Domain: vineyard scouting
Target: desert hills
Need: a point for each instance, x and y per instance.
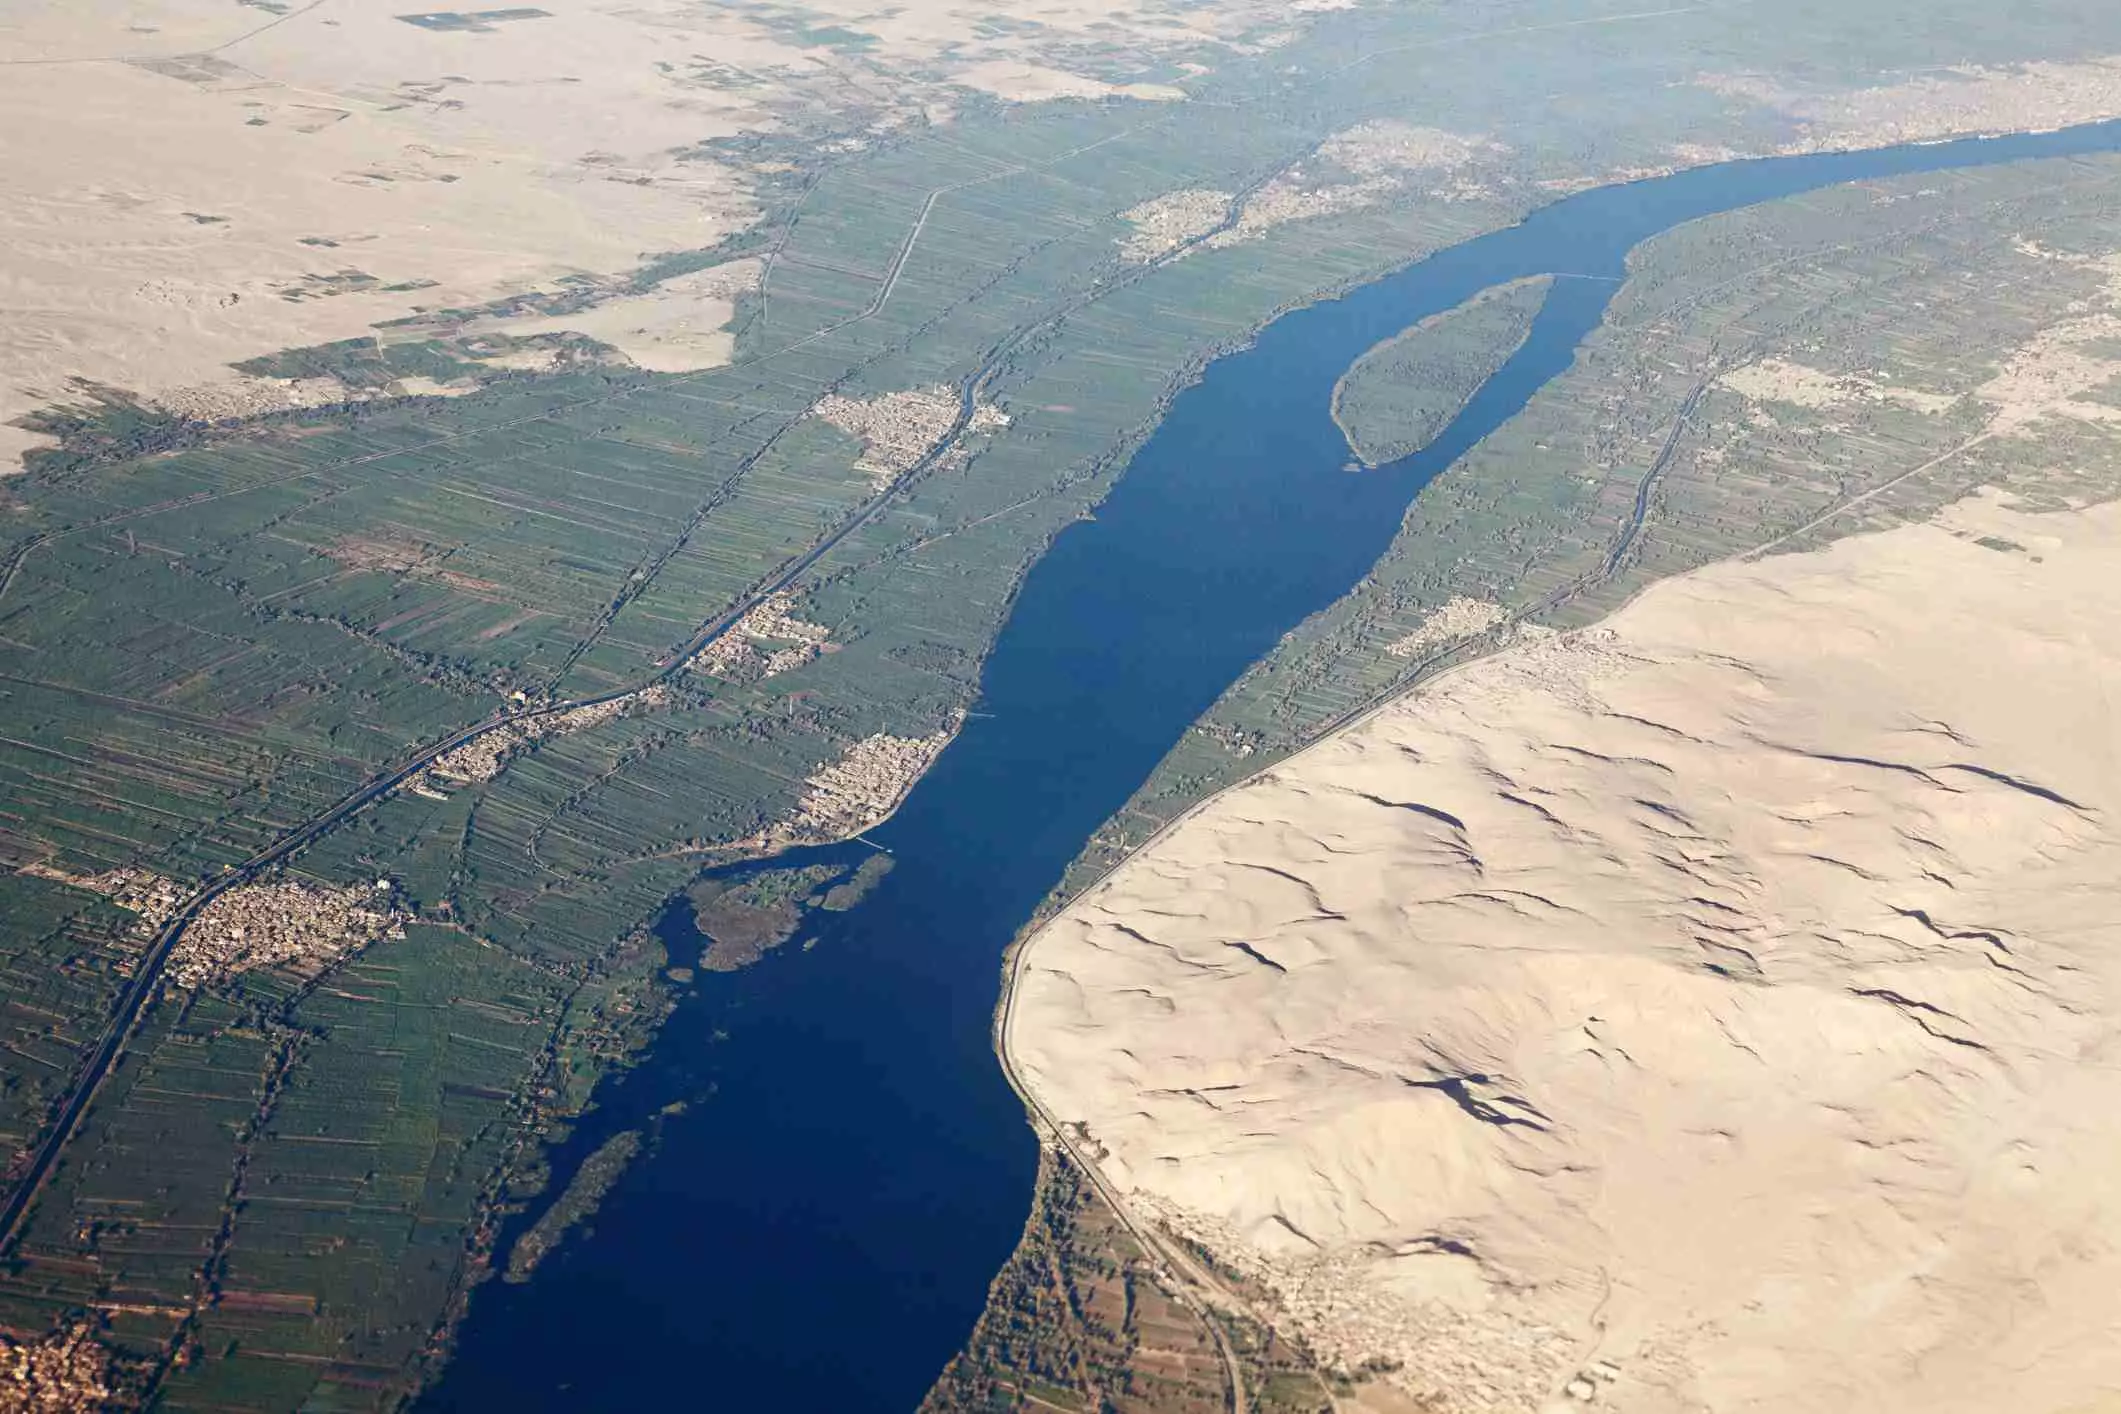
(1713, 1010)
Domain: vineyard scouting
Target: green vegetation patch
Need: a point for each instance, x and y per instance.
(745, 914)
(1081, 1318)
(212, 635)
(584, 1192)
(1664, 447)
(1393, 400)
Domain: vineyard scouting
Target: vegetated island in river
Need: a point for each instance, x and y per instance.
(1393, 400)
(746, 912)
(583, 1193)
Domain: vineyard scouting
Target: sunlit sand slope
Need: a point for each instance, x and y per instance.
(1713, 1010)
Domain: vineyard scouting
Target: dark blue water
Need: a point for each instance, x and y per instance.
(819, 1234)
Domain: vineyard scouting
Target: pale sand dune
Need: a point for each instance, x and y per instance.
(1778, 380)
(679, 326)
(1728, 993)
(1034, 83)
(18, 442)
(176, 214)
(207, 181)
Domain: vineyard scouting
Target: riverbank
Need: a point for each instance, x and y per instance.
(1455, 1124)
(1920, 479)
(858, 1151)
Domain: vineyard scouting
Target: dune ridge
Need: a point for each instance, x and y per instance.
(1712, 1010)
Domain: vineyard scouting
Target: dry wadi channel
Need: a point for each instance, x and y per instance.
(1713, 1009)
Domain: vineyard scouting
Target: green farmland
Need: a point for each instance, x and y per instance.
(1398, 396)
(241, 653)
(1667, 407)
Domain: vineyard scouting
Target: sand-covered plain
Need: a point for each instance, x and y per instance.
(679, 325)
(192, 183)
(212, 182)
(1718, 1009)
(200, 182)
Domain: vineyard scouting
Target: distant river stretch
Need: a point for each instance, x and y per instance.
(819, 1234)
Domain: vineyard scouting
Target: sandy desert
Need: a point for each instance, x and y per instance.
(1713, 1009)
(214, 181)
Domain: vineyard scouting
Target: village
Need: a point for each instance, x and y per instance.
(898, 429)
(483, 757)
(740, 654)
(859, 790)
(154, 898)
(284, 923)
(67, 1372)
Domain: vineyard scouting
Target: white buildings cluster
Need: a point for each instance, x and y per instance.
(860, 789)
(153, 897)
(483, 757)
(898, 429)
(67, 1372)
(264, 925)
(766, 640)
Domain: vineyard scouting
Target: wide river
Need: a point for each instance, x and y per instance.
(817, 1231)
